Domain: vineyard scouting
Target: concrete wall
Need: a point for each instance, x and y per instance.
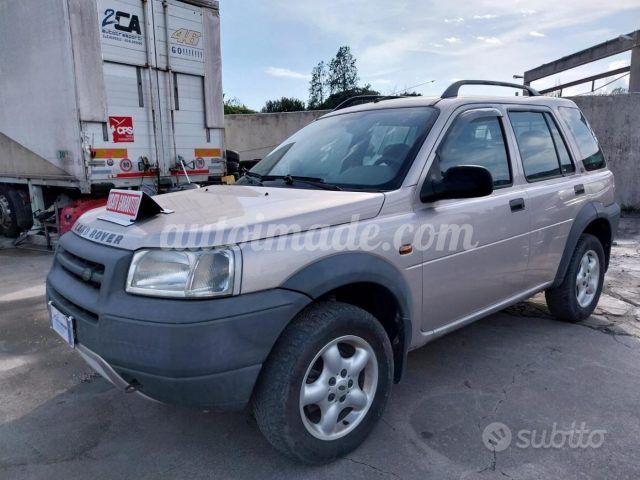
(255, 135)
(616, 121)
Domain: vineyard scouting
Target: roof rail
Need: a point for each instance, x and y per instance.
(360, 99)
(452, 90)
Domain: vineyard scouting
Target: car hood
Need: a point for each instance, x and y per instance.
(231, 214)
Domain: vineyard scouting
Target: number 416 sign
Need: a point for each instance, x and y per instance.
(187, 37)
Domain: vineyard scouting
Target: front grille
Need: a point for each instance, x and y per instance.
(81, 278)
(89, 272)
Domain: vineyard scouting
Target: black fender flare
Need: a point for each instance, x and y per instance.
(329, 273)
(589, 212)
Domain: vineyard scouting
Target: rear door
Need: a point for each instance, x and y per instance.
(556, 191)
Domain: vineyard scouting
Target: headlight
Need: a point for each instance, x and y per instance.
(171, 273)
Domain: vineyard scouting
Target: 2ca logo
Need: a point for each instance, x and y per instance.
(122, 21)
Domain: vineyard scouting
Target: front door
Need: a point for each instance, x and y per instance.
(479, 247)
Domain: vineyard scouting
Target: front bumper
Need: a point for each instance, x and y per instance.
(202, 353)
(99, 365)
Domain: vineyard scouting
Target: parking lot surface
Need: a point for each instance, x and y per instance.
(541, 381)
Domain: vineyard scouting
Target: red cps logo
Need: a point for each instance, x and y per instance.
(124, 130)
(121, 129)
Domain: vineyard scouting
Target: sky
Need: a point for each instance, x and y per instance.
(269, 47)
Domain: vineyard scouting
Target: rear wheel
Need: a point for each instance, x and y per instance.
(325, 384)
(577, 296)
(8, 214)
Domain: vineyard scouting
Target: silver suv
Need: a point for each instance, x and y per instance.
(369, 233)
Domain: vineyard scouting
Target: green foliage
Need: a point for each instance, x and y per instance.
(602, 92)
(283, 105)
(337, 98)
(318, 86)
(234, 106)
(340, 80)
(343, 72)
(619, 91)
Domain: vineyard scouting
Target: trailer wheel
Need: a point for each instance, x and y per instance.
(233, 168)
(8, 214)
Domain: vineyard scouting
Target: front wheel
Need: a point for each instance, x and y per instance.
(325, 384)
(577, 296)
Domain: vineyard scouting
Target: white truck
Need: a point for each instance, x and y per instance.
(97, 94)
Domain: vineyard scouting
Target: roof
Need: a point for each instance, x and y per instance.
(452, 103)
(451, 100)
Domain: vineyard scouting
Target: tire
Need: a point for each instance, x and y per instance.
(8, 214)
(233, 168)
(233, 156)
(586, 267)
(296, 362)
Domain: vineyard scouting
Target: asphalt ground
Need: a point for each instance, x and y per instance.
(543, 381)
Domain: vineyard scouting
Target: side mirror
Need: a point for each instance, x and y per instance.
(465, 181)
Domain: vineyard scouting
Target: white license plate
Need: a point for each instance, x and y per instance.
(62, 324)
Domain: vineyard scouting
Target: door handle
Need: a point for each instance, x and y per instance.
(516, 204)
(579, 189)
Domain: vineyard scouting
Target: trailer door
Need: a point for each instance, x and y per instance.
(189, 133)
(127, 149)
(181, 36)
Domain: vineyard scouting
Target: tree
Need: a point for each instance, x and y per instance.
(234, 106)
(283, 105)
(343, 72)
(337, 98)
(619, 91)
(318, 86)
(407, 93)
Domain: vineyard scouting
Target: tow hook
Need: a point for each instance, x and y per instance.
(133, 386)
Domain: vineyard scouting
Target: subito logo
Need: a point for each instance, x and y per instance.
(121, 129)
(496, 437)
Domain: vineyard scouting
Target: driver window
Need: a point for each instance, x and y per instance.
(476, 141)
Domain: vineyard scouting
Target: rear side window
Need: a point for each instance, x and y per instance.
(590, 152)
(476, 141)
(540, 153)
(561, 147)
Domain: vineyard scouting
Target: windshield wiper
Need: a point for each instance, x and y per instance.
(253, 177)
(292, 179)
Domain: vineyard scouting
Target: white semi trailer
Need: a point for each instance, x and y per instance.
(96, 94)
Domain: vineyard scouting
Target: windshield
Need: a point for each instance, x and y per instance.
(367, 150)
